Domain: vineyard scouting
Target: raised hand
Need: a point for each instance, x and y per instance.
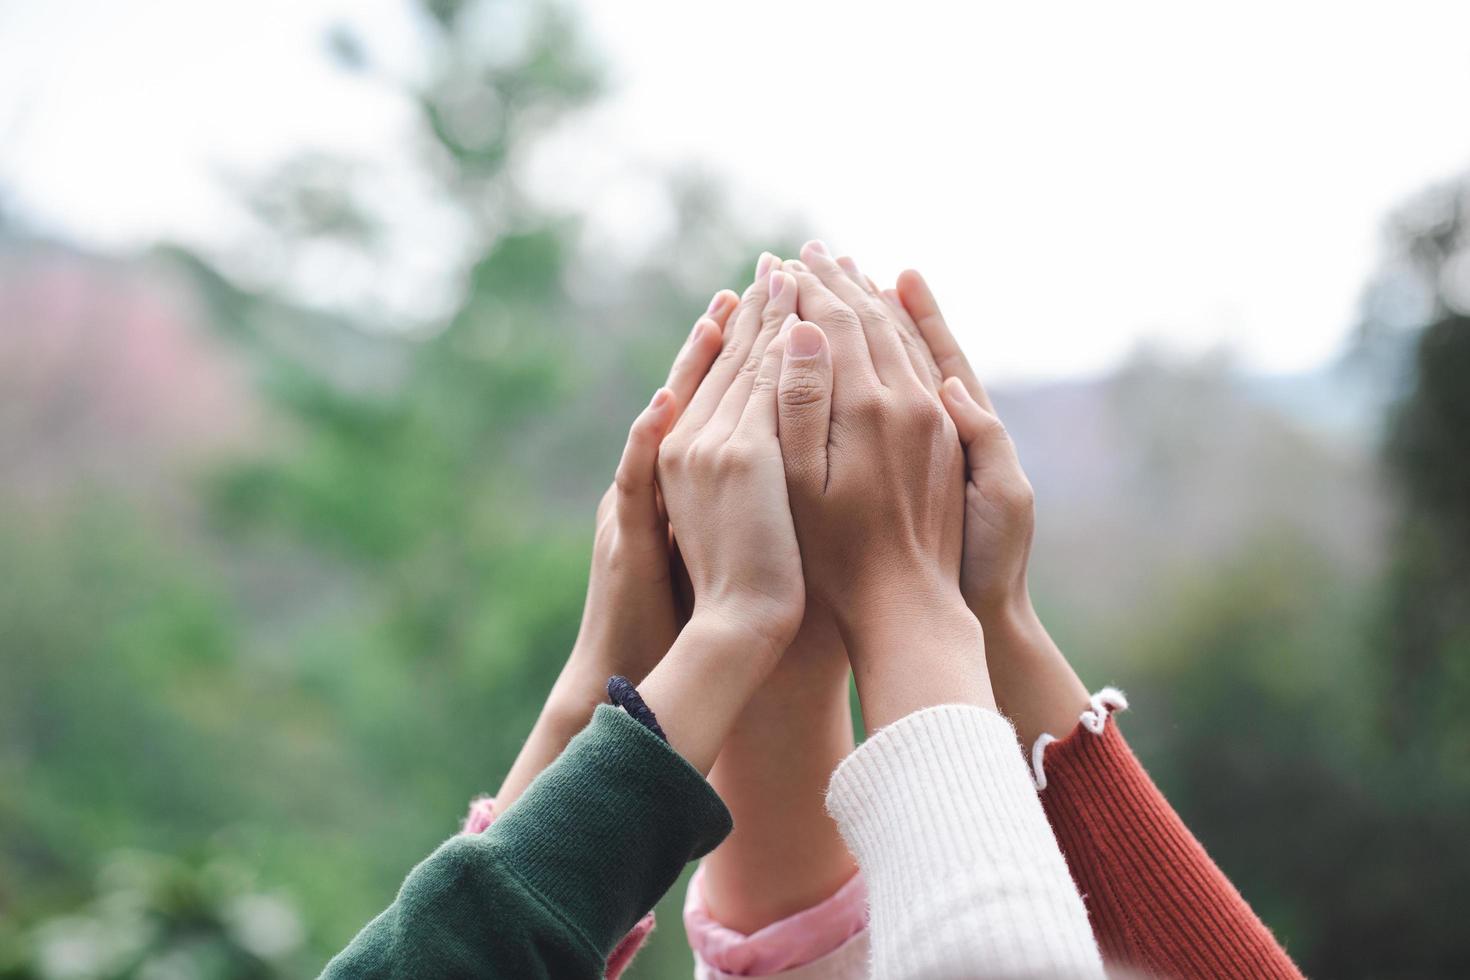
(724, 487)
(630, 617)
(876, 478)
(785, 853)
(1034, 684)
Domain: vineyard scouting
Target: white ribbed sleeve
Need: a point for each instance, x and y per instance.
(964, 876)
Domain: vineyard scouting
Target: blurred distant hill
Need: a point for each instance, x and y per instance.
(1152, 474)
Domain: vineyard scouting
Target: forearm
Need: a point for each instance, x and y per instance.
(532, 896)
(1035, 686)
(785, 854)
(1158, 902)
(700, 688)
(579, 689)
(964, 876)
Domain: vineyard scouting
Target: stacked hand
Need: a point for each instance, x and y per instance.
(827, 463)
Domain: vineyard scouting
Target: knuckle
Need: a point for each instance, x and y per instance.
(736, 458)
(624, 480)
(925, 416)
(703, 455)
(841, 317)
(750, 366)
(830, 312)
(765, 383)
(671, 456)
(729, 352)
(871, 408)
(866, 309)
(991, 428)
(1018, 497)
(802, 389)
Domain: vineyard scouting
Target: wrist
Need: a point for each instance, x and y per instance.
(915, 653)
(1010, 624)
(704, 682)
(1035, 686)
(885, 613)
(580, 687)
(761, 626)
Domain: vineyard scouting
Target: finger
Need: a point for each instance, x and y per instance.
(913, 342)
(780, 307)
(980, 431)
(699, 351)
(804, 407)
(740, 333)
(759, 418)
(849, 265)
(916, 297)
(818, 304)
(637, 499)
(889, 360)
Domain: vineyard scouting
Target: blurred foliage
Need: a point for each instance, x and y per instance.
(304, 660)
(311, 665)
(1311, 729)
(161, 917)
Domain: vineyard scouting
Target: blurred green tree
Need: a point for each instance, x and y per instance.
(446, 480)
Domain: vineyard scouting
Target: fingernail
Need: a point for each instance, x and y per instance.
(717, 302)
(777, 283)
(698, 326)
(763, 264)
(804, 340)
(818, 246)
(850, 267)
(786, 327)
(958, 391)
(660, 398)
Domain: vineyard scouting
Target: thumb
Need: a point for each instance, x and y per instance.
(804, 407)
(637, 498)
(981, 432)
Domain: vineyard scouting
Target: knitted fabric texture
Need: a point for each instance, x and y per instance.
(964, 876)
(1157, 902)
(479, 819)
(533, 895)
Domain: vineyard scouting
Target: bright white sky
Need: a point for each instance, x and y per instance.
(1073, 176)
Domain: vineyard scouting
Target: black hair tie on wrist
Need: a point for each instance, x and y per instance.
(622, 693)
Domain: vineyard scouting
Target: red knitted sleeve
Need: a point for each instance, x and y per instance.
(1156, 901)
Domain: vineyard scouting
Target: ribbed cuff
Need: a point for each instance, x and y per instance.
(964, 874)
(611, 826)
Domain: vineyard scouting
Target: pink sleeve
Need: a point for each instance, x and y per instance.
(828, 941)
(482, 815)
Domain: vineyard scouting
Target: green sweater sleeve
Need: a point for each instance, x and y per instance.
(556, 882)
